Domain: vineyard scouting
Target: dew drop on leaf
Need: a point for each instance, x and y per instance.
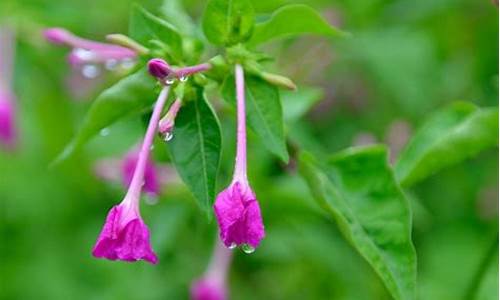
(104, 132)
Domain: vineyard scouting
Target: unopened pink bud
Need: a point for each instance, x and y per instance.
(159, 68)
(57, 35)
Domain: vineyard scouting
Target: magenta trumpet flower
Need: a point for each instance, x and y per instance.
(236, 208)
(213, 286)
(89, 55)
(8, 135)
(7, 120)
(125, 236)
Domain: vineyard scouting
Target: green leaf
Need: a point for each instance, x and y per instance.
(128, 96)
(196, 148)
(175, 13)
(449, 137)
(145, 27)
(488, 283)
(297, 103)
(292, 20)
(264, 112)
(228, 22)
(358, 190)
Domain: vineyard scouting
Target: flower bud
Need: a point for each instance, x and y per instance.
(159, 68)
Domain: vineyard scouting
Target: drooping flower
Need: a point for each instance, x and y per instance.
(129, 163)
(8, 134)
(7, 120)
(213, 286)
(236, 208)
(90, 56)
(125, 236)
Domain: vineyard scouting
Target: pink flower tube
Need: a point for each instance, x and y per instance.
(8, 132)
(213, 284)
(236, 208)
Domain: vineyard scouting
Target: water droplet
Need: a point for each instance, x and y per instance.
(167, 136)
(111, 64)
(183, 78)
(104, 132)
(127, 63)
(151, 147)
(169, 81)
(247, 248)
(232, 246)
(84, 54)
(151, 199)
(90, 71)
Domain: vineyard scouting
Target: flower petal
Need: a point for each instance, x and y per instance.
(127, 242)
(238, 215)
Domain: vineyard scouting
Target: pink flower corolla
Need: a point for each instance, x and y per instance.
(90, 56)
(125, 236)
(8, 134)
(129, 163)
(236, 208)
(213, 286)
(7, 120)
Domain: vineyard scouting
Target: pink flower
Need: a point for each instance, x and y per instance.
(90, 56)
(212, 286)
(151, 184)
(7, 121)
(8, 135)
(206, 289)
(236, 208)
(125, 236)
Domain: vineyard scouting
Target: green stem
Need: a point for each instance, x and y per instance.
(482, 269)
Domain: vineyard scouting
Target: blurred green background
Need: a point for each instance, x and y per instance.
(405, 59)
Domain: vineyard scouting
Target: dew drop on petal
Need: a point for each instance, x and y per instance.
(247, 248)
(90, 71)
(84, 54)
(167, 136)
(127, 63)
(183, 78)
(111, 64)
(104, 132)
(169, 81)
(151, 147)
(151, 199)
(232, 246)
